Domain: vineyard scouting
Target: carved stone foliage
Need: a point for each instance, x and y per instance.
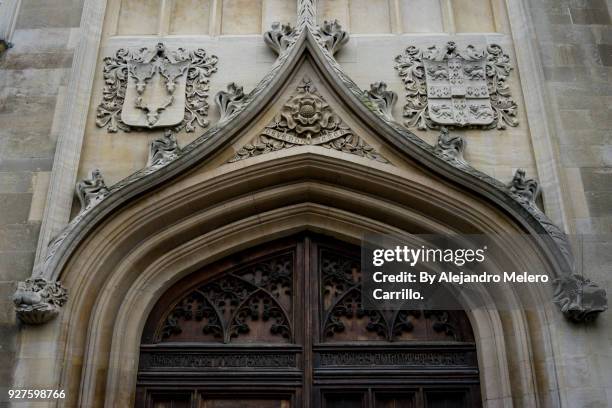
(307, 119)
(231, 101)
(243, 303)
(524, 190)
(344, 317)
(163, 150)
(446, 86)
(579, 299)
(450, 147)
(37, 300)
(91, 191)
(280, 37)
(331, 36)
(383, 99)
(152, 88)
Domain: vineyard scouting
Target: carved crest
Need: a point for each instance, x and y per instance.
(451, 87)
(307, 119)
(156, 88)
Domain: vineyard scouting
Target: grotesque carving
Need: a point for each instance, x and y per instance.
(229, 102)
(580, 299)
(280, 37)
(307, 119)
(331, 36)
(37, 300)
(383, 99)
(449, 147)
(448, 87)
(163, 150)
(155, 88)
(525, 190)
(91, 191)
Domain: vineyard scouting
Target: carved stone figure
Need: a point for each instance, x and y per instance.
(580, 299)
(229, 102)
(163, 150)
(385, 100)
(38, 301)
(91, 191)
(525, 190)
(156, 88)
(451, 87)
(280, 37)
(332, 36)
(307, 119)
(450, 147)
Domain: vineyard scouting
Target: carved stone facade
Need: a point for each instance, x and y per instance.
(580, 299)
(152, 88)
(446, 86)
(307, 120)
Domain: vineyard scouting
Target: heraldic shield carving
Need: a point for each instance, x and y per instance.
(457, 86)
(156, 88)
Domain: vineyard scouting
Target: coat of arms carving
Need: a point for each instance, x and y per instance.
(156, 88)
(447, 86)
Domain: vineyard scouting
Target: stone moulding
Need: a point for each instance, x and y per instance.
(549, 238)
(130, 72)
(38, 300)
(446, 86)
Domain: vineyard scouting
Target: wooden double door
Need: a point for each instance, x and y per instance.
(282, 325)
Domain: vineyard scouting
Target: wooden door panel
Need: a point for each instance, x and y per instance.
(245, 403)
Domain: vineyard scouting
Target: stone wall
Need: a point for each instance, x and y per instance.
(33, 76)
(574, 38)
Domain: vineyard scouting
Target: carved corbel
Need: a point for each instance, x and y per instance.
(450, 147)
(332, 36)
(230, 101)
(526, 191)
(579, 299)
(385, 100)
(280, 37)
(37, 300)
(91, 191)
(163, 150)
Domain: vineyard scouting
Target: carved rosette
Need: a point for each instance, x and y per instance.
(91, 191)
(307, 119)
(280, 37)
(459, 88)
(37, 300)
(331, 36)
(579, 299)
(131, 74)
(231, 101)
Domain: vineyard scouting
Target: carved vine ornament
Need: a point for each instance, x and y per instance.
(446, 88)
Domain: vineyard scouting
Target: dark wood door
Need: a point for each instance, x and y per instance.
(282, 325)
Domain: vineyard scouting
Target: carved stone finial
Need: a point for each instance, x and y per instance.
(384, 100)
(525, 190)
(37, 300)
(91, 191)
(228, 102)
(332, 36)
(280, 37)
(163, 150)
(579, 299)
(450, 147)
